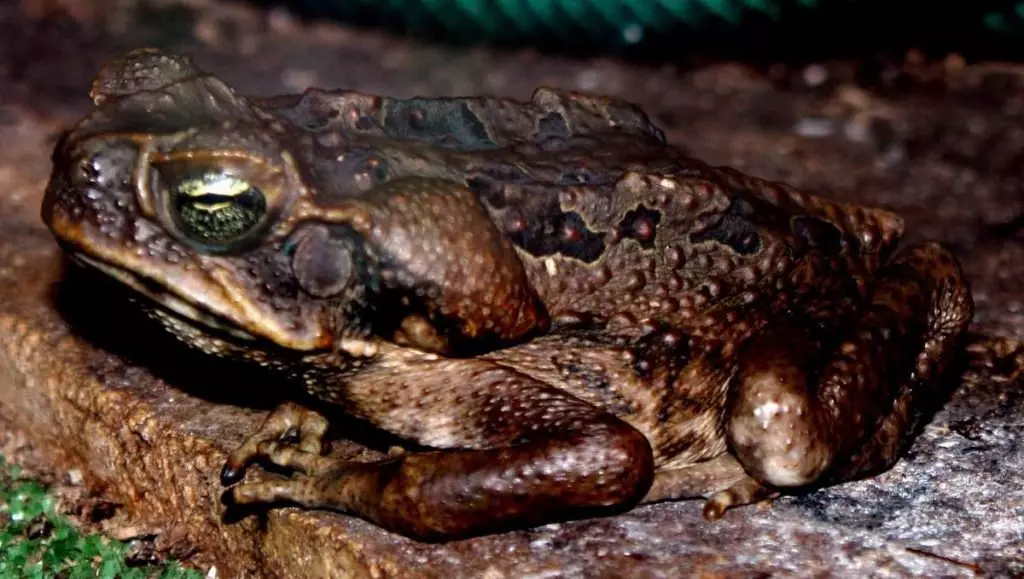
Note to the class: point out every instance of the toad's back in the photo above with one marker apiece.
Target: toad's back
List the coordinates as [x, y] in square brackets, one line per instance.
[611, 223]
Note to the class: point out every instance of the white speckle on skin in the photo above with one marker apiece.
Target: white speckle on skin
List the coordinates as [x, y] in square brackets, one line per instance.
[440, 430]
[551, 267]
[766, 412]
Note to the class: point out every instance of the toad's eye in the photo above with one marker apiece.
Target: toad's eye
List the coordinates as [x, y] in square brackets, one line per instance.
[215, 208]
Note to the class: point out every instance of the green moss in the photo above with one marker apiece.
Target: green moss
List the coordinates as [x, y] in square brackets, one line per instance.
[36, 542]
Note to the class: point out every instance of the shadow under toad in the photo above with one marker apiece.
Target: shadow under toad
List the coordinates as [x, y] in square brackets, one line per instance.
[99, 310]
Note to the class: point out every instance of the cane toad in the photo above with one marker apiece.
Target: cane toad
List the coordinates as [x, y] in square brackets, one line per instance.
[561, 313]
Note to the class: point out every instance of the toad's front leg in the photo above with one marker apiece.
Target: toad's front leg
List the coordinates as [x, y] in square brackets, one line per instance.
[513, 453]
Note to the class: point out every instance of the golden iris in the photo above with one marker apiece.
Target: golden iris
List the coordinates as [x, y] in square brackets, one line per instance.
[216, 207]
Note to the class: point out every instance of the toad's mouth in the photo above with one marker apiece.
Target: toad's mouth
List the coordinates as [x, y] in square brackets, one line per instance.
[164, 298]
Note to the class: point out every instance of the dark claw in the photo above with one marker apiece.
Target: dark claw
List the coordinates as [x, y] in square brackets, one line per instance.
[229, 476]
[227, 498]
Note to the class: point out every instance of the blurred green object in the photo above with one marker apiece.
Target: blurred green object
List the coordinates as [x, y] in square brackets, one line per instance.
[676, 25]
[37, 542]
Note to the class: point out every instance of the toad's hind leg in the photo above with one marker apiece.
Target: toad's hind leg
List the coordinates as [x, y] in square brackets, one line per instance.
[789, 430]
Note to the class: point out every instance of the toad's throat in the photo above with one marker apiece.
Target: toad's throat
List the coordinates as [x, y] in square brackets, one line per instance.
[165, 298]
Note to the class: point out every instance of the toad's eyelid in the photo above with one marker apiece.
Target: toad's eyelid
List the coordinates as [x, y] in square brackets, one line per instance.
[221, 186]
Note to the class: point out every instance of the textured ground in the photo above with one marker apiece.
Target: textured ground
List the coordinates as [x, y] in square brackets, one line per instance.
[136, 428]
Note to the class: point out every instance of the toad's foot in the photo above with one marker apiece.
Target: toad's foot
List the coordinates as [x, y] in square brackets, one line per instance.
[745, 492]
[721, 479]
[285, 421]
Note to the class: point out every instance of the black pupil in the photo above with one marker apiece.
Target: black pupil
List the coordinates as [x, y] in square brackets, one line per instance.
[209, 211]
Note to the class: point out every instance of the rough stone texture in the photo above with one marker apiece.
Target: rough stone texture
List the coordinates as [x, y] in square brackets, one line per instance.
[106, 406]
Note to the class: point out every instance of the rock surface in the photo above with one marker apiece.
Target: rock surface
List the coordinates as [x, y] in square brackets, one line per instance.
[105, 405]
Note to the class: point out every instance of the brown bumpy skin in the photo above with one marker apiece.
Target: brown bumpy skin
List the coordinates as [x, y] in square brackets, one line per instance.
[530, 454]
[788, 431]
[562, 314]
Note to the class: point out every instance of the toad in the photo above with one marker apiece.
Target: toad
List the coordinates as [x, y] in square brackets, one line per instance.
[562, 315]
